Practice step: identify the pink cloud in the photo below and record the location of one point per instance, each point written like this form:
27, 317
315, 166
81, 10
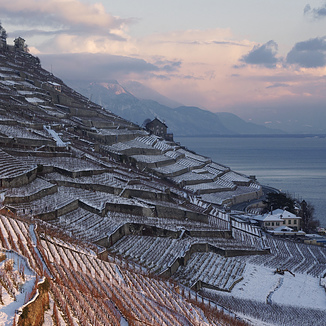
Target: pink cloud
56, 12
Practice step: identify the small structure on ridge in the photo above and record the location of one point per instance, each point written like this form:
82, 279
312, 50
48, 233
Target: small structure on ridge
158, 128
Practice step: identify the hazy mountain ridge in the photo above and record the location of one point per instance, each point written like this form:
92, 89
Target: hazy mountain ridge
146, 93
182, 120
308, 117
236, 124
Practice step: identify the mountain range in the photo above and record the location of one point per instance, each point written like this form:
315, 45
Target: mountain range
136, 102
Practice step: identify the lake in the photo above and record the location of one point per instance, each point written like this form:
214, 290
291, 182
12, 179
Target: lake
296, 165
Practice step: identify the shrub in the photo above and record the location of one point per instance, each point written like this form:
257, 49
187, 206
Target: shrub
8, 265
33, 314
2, 256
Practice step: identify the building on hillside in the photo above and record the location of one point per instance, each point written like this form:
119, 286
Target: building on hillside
55, 85
291, 220
20, 44
3, 38
159, 128
279, 218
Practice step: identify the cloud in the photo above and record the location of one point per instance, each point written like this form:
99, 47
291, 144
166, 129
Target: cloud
308, 54
95, 67
168, 65
61, 15
82, 32
307, 9
200, 42
277, 85
317, 13
262, 55
227, 43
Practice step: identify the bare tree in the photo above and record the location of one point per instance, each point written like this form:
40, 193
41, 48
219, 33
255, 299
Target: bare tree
309, 223
3, 33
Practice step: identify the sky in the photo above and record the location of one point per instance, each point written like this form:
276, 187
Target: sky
219, 55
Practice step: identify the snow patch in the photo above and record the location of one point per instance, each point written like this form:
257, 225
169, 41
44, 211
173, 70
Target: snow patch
259, 281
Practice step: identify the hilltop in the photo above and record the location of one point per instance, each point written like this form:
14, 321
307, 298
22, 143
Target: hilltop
117, 226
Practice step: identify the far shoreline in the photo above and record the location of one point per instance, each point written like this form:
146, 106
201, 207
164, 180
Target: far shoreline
255, 136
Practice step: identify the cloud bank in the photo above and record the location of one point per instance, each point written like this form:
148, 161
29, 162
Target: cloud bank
317, 13
309, 54
61, 16
305, 54
262, 55
101, 67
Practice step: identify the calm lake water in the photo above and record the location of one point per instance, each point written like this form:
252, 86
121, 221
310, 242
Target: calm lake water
293, 165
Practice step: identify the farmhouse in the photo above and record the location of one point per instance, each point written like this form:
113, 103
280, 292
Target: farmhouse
279, 218
20, 44
159, 128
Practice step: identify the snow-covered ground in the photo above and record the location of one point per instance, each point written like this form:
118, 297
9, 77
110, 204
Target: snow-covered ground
260, 283
11, 305
254, 321
55, 136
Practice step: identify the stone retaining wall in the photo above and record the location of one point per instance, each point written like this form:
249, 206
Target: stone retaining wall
151, 165
247, 197
128, 209
23, 199
77, 174
22, 153
210, 234
179, 214
60, 211
126, 193
34, 142
110, 139
20, 180
205, 247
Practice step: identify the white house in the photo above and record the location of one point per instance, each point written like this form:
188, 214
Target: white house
291, 220
279, 218
56, 86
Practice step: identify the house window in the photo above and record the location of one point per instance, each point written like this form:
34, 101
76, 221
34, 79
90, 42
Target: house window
277, 223
289, 221
294, 221
284, 222
267, 223
272, 223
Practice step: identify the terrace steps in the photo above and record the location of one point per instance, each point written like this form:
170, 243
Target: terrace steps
210, 270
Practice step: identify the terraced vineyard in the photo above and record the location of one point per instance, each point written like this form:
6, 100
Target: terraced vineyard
115, 225
84, 288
